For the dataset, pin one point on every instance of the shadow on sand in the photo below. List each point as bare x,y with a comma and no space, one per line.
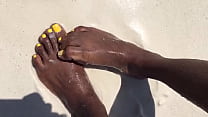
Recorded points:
134,99
31,105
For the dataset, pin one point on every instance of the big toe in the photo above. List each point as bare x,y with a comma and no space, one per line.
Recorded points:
60,33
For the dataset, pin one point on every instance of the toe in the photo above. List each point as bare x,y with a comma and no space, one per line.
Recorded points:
59,31
52,37
43,39
71,53
67,37
37,62
41,51
72,39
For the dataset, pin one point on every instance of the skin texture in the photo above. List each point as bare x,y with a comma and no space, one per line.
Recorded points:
87,45
66,80
189,77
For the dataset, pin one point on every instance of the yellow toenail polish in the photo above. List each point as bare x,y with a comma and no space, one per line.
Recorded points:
56,28
43,35
59,39
38,45
72,30
34,56
60,53
50,30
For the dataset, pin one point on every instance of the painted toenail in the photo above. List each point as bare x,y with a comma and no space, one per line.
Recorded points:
38,45
59,39
50,30
72,30
34,56
43,35
60,53
56,28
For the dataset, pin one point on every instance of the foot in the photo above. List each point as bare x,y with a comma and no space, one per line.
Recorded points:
67,81
88,45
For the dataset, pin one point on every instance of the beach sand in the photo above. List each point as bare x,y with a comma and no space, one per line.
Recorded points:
172,28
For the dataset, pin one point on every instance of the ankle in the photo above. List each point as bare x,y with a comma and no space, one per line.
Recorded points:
143,63
90,107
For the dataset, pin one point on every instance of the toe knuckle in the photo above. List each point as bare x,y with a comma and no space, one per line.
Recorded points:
81,28
78,27
45,41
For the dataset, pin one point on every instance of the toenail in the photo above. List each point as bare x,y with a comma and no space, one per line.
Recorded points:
72,30
56,28
59,39
43,35
38,45
60,53
34,56
50,30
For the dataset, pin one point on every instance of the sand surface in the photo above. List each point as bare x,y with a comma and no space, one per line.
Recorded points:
172,28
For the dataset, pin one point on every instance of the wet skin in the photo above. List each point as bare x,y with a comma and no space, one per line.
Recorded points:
66,80
87,45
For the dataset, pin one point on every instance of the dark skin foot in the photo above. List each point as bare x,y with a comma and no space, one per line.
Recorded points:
67,81
189,77
87,45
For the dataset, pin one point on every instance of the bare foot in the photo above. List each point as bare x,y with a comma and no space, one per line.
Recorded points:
66,80
88,45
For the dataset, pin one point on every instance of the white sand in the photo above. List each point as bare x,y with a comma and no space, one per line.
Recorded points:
172,28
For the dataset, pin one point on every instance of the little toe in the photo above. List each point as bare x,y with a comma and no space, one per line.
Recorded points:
37,62
52,37
43,39
41,51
